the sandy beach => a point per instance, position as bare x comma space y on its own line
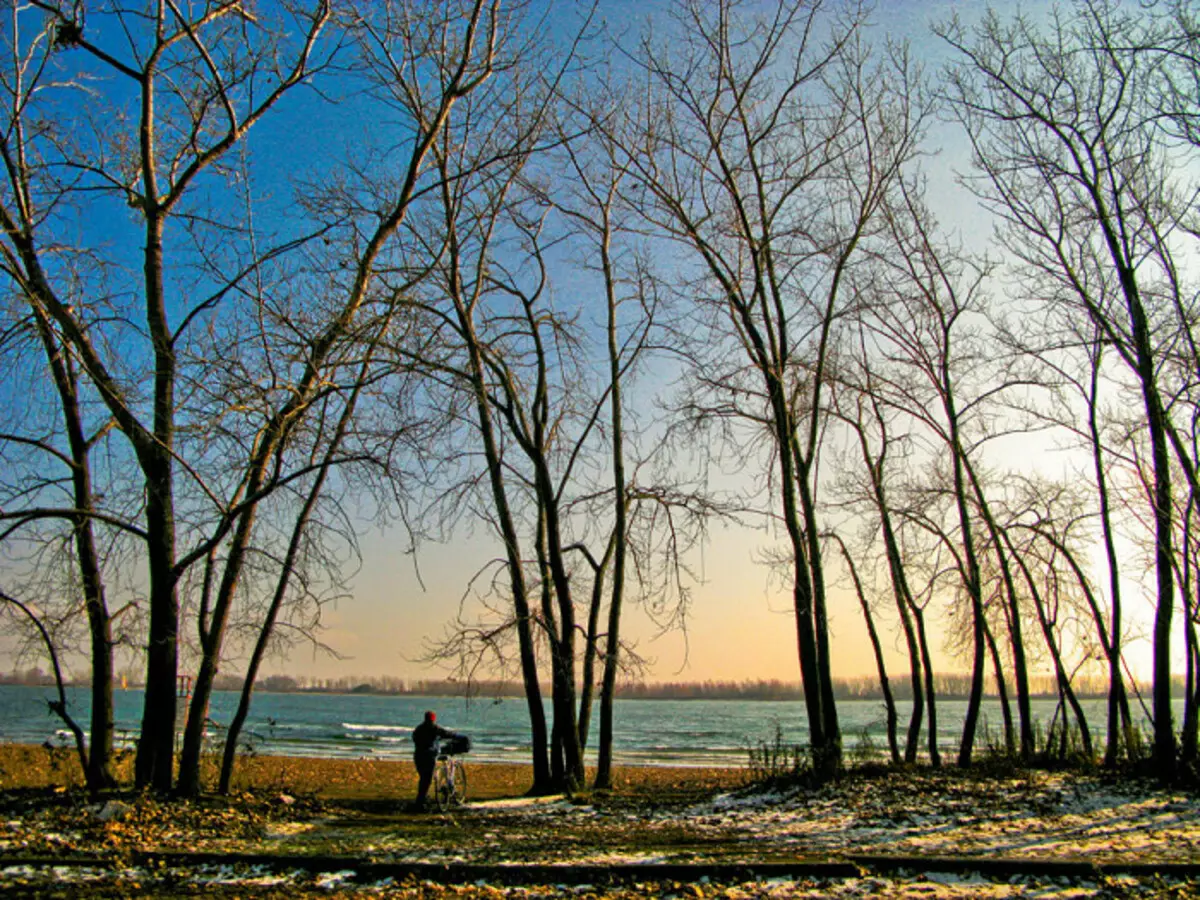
32, 766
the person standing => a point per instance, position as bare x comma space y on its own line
426, 736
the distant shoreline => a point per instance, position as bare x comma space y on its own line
651, 692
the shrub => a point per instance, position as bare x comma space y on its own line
865, 751
1063, 747
776, 764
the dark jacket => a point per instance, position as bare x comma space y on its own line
426, 736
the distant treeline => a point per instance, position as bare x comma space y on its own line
948, 686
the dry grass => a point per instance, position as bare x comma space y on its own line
32, 766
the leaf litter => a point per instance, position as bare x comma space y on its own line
1030, 816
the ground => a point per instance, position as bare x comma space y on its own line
344, 828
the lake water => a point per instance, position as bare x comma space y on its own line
646, 732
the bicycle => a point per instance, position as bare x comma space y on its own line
449, 782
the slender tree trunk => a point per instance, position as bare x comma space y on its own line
542, 780
1013, 617
1189, 586
608, 690
588, 670
233, 733
98, 763
564, 662
1165, 751
802, 591
1191, 725
833, 731
885, 686
612, 650
100, 746
973, 587
558, 771
1065, 690
1119, 721
211, 641
1190, 731
1010, 743
1164, 726
1187, 730
592, 648
935, 756
904, 602
287, 567
900, 589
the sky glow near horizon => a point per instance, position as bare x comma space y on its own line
740, 624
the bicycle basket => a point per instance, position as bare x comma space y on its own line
455, 744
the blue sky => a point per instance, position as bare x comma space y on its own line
740, 625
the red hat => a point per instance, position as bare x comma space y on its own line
430, 716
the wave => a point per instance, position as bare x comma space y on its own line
353, 726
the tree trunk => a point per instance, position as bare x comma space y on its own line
612, 649
1013, 616
1164, 725
1119, 721
281, 587
98, 763
1010, 743
900, 589
1065, 690
802, 592
154, 765
1190, 737
935, 756
1145, 367
885, 686
903, 596
539, 734
563, 650
830, 761
211, 642
973, 587
542, 780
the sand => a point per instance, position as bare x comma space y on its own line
25, 765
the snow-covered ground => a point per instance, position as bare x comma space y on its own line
1035, 816
1004, 824
252, 881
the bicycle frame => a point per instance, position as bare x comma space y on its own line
449, 783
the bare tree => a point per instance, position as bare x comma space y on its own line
926, 323
194, 101
864, 603
865, 414
594, 205
497, 334
767, 152
1069, 158
1075, 364
399, 53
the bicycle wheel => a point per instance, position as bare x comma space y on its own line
460, 783
443, 785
